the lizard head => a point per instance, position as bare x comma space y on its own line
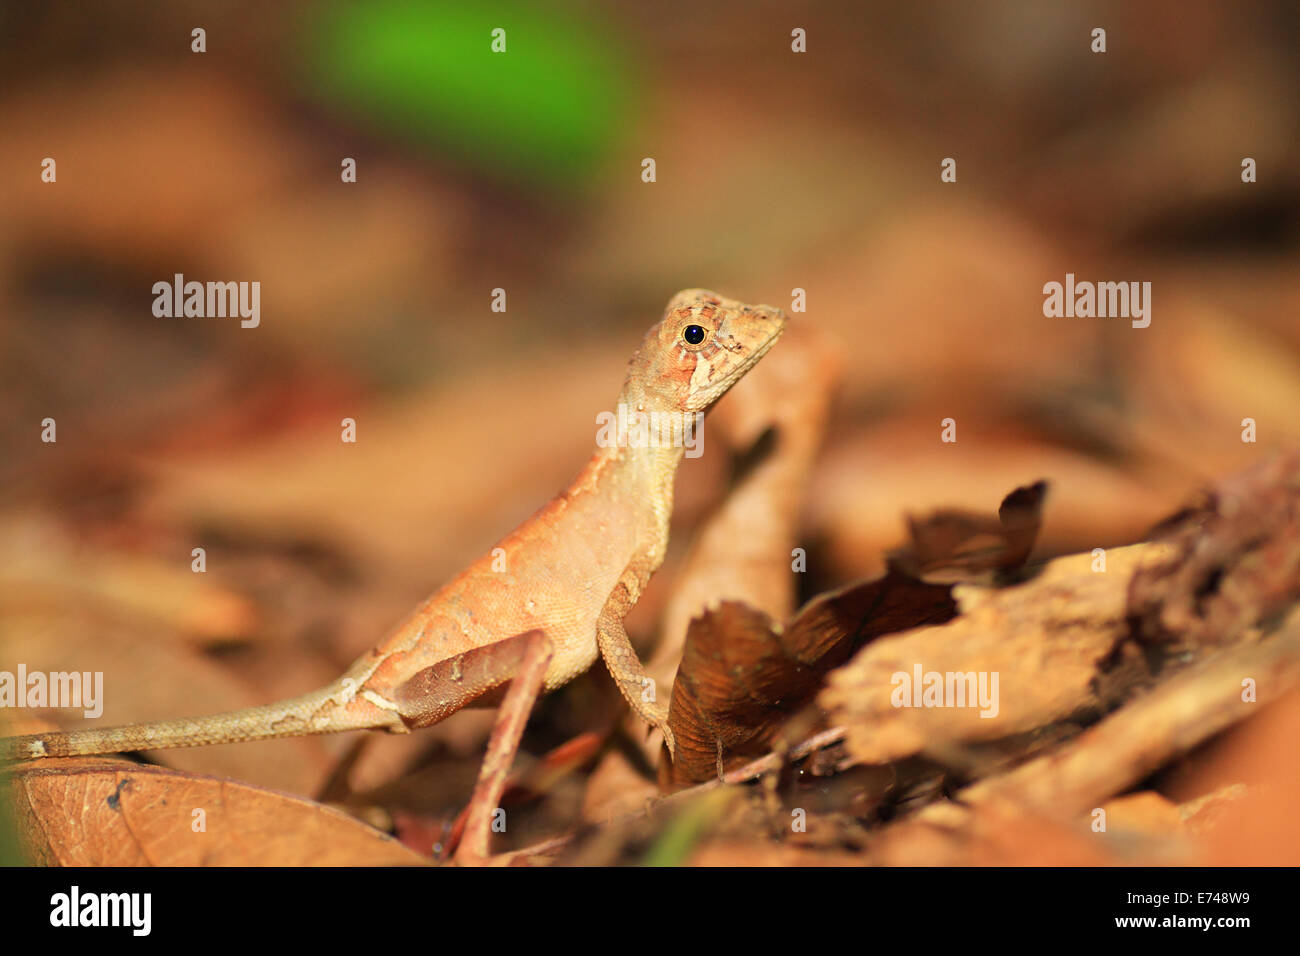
703, 345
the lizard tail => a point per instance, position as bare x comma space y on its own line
296, 717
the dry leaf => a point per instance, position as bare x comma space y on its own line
147, 677
741, 678
80, 812
952, 545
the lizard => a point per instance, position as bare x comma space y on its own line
775, 424
494, 636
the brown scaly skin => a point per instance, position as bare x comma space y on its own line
572, 572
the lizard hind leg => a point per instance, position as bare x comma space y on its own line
476, 677
529, 654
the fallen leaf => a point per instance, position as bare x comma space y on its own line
952, 545
742, 677
150, 676
82, 812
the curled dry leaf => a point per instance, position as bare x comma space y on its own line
865, 474
90, 812
953, 545
742, 677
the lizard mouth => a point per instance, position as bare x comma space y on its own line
744, 357
740, 371
771, 340
762, 349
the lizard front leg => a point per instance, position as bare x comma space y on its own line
637, 687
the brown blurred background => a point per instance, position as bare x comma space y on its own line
775, 171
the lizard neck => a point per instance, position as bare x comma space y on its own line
651, 441
639, 446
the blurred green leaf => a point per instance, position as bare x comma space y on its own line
547, 109
689, 827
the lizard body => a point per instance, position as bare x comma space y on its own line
571, 574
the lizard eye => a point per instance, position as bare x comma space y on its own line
693, 334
